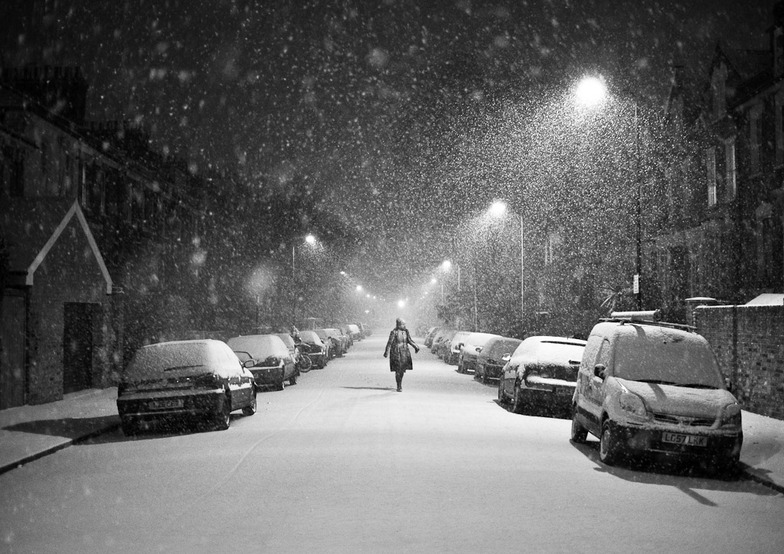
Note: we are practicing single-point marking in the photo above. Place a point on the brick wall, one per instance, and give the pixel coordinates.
(749, 344)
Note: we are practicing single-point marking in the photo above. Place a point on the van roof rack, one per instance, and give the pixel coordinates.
(648, 317)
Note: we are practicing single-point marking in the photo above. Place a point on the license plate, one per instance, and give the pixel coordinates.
(165, 404)
(686, 440)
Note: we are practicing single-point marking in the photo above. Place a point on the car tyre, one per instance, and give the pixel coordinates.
(579, 433)
(250, 410)
(608, 444)
(501, 397)
(517, 401)
(293, 379)
(280, 385)
(223, 418)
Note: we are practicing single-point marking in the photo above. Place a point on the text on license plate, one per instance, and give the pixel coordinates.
(687, 440)
(165, 404)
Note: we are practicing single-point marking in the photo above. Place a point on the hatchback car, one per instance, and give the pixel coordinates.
(492, 358)
(449, 350)
(541, 375)
(198, 380)
(315, 348)
(473, 344)
(647, 387)
(268, 358)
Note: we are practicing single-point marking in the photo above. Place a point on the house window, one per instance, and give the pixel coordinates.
(732, 170)
(710, 171)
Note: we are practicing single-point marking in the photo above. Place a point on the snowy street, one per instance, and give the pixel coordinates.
(340, 462)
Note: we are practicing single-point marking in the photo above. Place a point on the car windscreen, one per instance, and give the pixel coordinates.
(286, 338)
(311, 337)
(669, 358)
(163, 360)
(500, 347)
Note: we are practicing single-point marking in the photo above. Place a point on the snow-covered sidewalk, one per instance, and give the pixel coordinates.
(29, 432)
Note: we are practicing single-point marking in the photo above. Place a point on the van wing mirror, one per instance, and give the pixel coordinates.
(600, 371)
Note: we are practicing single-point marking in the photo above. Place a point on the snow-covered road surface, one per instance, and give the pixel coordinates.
(341, 462)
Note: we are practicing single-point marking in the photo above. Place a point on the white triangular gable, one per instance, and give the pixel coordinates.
(75, 209)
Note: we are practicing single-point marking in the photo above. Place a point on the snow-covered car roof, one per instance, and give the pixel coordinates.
(182, 358)
(498, 346)
(259, 347)
(479, 339)
(547, 350)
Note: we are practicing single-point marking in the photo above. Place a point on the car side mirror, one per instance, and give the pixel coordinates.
(728, 384)
(249, 363)
(478, 348)
(506, 357)
(600, 371)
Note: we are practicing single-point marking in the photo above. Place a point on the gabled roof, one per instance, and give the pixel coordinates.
(33, 228)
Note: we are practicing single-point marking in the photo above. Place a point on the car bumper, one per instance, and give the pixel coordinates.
(553, 401)
(267, 376)
(493, 371)
(714, 444)
(165, 404)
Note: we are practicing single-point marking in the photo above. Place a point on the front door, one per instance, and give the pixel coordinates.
(77, 346)
(12, 352)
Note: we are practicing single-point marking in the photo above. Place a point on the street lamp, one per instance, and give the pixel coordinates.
(591, 92)
(498, 209)
(309, 240)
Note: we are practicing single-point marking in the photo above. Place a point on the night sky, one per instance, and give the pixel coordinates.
(373, 107)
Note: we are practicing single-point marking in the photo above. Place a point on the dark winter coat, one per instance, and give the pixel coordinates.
(397, 350)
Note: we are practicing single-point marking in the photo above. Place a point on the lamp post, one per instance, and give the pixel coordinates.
(591, 92)
(498, 209)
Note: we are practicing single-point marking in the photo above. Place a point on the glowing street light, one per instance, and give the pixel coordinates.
(310, 240)
(590, 92)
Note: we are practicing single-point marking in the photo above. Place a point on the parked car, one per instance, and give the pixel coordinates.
(451, 349)
(492, 358)
(438, 338)
(339, 341)
(647, 387)
(347, 333)
(329, 344)
(288, 340)
(541, 376)
(198, 380)
(271, 362)
(429, 334)
(354, 330)
(473, 344)
(316, 349)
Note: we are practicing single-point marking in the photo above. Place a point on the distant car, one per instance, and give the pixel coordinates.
(492, 358)
(652, 388)
(428, 342)
(355, 331)
(201, 381)
(473, 344)
(347, 333)
(339, 340)
(541, 376)
(438, 338)
(329, 343)
(316, 349)
(268, 358)
(450, 349)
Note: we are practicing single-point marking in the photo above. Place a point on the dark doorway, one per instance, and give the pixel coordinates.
(12, 352)
(77, 346)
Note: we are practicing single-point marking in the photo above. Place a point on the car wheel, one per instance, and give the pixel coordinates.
(579, 433)
(250, 410)
(280, 385)
(223, 418)
(608, 444)
(129, 427)
(501, 397)
(517, 401)
(293, 379)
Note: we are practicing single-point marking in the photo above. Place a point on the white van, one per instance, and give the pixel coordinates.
(651, 387)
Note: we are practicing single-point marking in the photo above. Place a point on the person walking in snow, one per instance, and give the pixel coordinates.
(398, 352)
